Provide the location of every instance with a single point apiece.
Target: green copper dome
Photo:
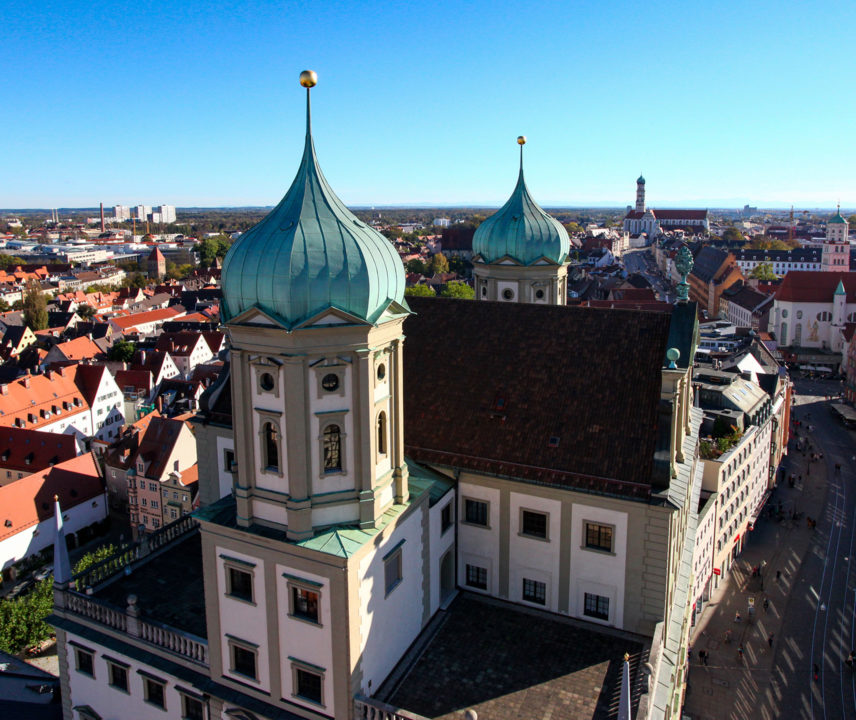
(522, 230)
(837, 219)
(840, 289)
(640, 181)
(309, 254)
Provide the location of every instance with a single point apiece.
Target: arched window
(783, 340)
(332, 448)
(797, 334)
(271, 447)
(381, 433)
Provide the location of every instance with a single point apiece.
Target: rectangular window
(191, 708)
(599, 537)
(475, 512)
(85, 662)
(118, 676)
(309, 685)
(243, 661)
(534, 591)
(153, 487)
(392, 570)
(153, 691)
(304, 603)
(155, 504)
(446, 517)
(596, 606)
(533, 524)
(229, 459)
(477, 577)
(239, 584)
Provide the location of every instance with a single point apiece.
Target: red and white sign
(717, 571)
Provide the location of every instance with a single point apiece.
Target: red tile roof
(38, 400)
(670, 214)
(33, 450)
(132, 321)
(81, 348)
(815, 286)
(30, 500)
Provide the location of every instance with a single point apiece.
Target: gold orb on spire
(308, 78)
(521, 139)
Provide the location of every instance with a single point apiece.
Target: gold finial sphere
(308, 78)
(521, 139)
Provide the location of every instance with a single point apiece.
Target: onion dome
(521, 229)
(311, 253)
(640, 180)
(837, 219)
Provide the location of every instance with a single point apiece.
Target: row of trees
(453, 289)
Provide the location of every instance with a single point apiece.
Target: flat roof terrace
(506, 662)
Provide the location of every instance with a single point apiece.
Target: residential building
(24, 452)
(190, 349)
(714, 272)
(26, 509)
(781, 262)
(119, 461)
(745, 307)
(180, 494)
(52, 402)
(104, 398)
(73, 351)
(145, 324)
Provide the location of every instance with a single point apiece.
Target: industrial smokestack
(102, 217)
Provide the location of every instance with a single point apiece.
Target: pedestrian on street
(740, 652)
(816, 671)
(770, 640)
(778, 574)
(849, 660)
(766, 604)
(737, 617)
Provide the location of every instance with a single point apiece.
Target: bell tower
(313, 305)
(640, 194)
(835, 256)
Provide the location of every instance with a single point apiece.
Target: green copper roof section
(640, 181)
(840, 289)
(522, 230)
(311, 253)
(837, 219)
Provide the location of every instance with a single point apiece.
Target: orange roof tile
(131, 321)
(39, 400)
(81, 348)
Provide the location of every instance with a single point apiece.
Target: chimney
(160, 404)
(27, 381)
(4, 389)
(102, 217)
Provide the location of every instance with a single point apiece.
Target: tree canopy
(419, 291)
(416, 266)
(763, 272)
(7, 261)
(122, 351)
(459, 290)
(733, 236)
(439, 263)
(574, 228)
(212, 247)
(765, 242)
(35, 307)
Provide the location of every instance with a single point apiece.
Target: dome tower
(520, 253)
(313, 303)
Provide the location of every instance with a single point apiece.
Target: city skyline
(718, 107)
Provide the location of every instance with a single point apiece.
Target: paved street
(642, 261)
(811, 611)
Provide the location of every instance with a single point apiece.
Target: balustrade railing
(96, 610)
(368, 709)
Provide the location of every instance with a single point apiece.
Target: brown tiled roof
(556, 395)
(33, 450)
(670, 214)
(815, 286)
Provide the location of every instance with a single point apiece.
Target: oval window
(508, 294)
(539, 294)
(266, 381)
(381, 371)
(330, 382)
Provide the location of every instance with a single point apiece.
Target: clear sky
(718, 103)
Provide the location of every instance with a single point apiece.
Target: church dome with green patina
(521, 230)
(640, 180)
(310, 254)
(837, 219)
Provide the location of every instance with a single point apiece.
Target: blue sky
(717, 103)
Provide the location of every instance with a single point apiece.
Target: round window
(784, 313)
(381, 371)
(266, 381)
(330, 382)
(508, 294)
(799, 314)
(539, 294)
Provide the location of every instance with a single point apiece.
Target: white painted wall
(595, 571)
(439, 543)
(225, 478)
(38, 537)
(303, 640)
(479, 545)
(243, 620)
(532, 558)
(114, 704)
(388, 624)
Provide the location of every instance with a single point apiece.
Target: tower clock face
(330, 382)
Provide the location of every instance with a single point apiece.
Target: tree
(122, 351)
(459, 290)
(416, 266)
(419, 291)
(85, 311)
(7, 261)
(763, 272)
(733, 236)
(458, 265)
(35, 307)
(212, 247)
(574, 228)
(852, 220)
(439, 263)
(765, 242)
(4, 306)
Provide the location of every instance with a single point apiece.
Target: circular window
(484, 290)
(381, 371)
(539, 294)
(508, 294)
(266, 381)
(784, 313)
(799, 314)
(330, 382)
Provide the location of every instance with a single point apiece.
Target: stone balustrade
(369, 709)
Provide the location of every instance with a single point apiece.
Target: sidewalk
(728, 686)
